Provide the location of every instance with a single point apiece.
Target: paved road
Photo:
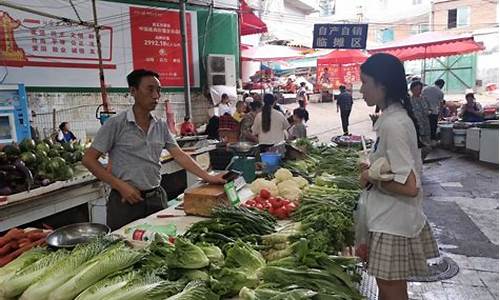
(325, 121)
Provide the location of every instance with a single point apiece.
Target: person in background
(187, 128)
(269, 125)
(421, 112)
(241, 109)
(302, 93)
(65, 135)
(400, 239)
(471, 111)
(444, 111)
(290, 86)
(134, 140)
(302, 105)
(212, 129)
(298, 129)
(344, 104)
(434, 95)
(224, 107)
(246, 124)
(257, 97)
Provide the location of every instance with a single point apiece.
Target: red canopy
(250, 23)
(429, 45)
(336, 57)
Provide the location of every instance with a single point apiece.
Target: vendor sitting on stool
(471, 111)
(187, 128)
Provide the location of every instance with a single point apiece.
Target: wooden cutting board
(200, 200)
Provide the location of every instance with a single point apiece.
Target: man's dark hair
(224, 96)
(440, 82)
(302, 83)
(134, 78)
(416, 83)
(342, 88)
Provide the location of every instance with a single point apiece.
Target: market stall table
(26, 207)
(176, 216)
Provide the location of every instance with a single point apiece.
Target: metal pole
(185, 58)
(104, 94)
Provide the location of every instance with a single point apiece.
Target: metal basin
(71, 235)
(242, 147)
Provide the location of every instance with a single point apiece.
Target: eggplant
(19, 168)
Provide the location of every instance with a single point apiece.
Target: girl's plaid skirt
(393, 257)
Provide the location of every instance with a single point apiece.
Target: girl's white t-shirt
(397, 142)
(224, 108)
(276, 133)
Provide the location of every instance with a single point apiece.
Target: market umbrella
(270, 53)
(338, 57)
(429, 45)
(250, 23)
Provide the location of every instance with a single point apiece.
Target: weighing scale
(244, 160)
(103, 116)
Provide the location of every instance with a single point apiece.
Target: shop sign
(156, 43)
(44, 52)
(340, 36)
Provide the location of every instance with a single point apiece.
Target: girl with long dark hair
(270, 124)
(400, 239)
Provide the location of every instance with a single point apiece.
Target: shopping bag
(361, 233)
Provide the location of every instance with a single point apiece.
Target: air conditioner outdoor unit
(221, 70)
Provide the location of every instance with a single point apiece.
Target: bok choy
(106, 286)
(26, 259)
(58, 274)
(117, 258)
(22, 279)
(146, 287)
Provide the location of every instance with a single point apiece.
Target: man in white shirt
(434, 95)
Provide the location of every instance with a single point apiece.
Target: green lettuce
(22, 279)
(195, 290)
(185, 255)
(117, 258)
(106, 286)
(57, 274)
(26, 259)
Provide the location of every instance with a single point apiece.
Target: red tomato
(259, 199)
(259, 206)
(267, 205)
(285, 202)
(264, 193)
(281, 213)
(272, 211)
(290, 207)
(276, 202)
(250, 202)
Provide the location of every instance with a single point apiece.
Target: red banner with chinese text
(156, 44)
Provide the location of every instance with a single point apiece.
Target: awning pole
(104, 94)
(185, 59)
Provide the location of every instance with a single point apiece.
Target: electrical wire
(76, 12)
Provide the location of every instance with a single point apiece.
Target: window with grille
(326, 7)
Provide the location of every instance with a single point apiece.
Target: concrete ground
(461, 204)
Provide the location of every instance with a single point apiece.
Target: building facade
(64, 86)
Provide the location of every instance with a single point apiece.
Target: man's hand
(129, 193)
(217, 179)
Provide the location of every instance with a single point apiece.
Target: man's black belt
(151, 192)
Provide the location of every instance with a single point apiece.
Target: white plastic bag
(361, 233)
